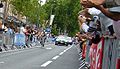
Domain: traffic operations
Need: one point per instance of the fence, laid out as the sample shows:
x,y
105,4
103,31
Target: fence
x,y
16,41
105,54
111,53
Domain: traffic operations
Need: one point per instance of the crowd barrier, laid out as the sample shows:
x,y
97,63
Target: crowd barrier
x,y
16,41
111,54
1,41
104,55
19,39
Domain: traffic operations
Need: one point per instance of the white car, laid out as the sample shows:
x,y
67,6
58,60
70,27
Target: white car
x,y
61,40
69,40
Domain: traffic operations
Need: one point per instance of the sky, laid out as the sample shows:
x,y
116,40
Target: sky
x,y
43,2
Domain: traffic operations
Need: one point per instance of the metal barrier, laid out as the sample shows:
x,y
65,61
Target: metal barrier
x,y
8,39
111,53
106,54
1,41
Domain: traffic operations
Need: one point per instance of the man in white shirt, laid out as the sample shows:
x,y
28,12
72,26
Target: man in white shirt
x,y
113,12
106,23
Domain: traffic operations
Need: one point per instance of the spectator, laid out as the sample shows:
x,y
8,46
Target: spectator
x,y
113,12
106,23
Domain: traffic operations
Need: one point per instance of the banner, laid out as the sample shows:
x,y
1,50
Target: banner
x,y
84,50
96,55
93,50
99,54
118,64
51,19
19,39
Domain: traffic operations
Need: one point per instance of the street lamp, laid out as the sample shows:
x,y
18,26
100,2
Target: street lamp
x,y
52,14
38,16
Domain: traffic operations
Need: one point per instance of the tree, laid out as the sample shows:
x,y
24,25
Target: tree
x,y
65,14
31,9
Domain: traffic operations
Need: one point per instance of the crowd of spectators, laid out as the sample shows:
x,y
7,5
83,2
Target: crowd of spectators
x,y
33,34
99,18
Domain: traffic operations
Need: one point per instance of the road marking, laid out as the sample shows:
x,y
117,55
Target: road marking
x,y
80,58
48,48
46,63
54,58
82,66
61,53
64,50
2,62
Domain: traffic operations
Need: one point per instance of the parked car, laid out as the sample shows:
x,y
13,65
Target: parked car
x,y
69,40
61,40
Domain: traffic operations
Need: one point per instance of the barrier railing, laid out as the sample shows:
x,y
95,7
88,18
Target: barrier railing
x,y
111,53
16,41
1,41
105,54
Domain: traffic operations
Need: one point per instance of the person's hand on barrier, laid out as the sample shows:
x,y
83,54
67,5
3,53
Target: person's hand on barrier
x,y
87,3
91,3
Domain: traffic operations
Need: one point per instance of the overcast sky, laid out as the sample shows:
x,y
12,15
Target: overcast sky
x,y
43,1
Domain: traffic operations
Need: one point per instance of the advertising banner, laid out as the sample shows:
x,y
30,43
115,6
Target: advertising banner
x,y
96,55
51,19
99,54
84,50
19,39
93,50
118,64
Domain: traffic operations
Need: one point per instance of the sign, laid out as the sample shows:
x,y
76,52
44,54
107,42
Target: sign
x,y
93,50
19,39
51,19
84,50
96,55
118,64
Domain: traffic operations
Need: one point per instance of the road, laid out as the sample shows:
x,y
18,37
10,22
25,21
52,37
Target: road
x,y
50,57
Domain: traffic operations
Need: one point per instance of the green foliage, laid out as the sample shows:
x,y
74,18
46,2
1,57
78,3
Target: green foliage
x,y
65,12
29,8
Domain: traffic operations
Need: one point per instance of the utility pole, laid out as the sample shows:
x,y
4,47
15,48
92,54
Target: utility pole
x,y
5,10
38,15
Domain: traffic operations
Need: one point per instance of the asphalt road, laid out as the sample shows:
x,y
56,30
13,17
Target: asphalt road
x,y
50,57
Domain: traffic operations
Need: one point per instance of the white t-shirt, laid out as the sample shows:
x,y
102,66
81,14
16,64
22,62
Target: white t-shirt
x,y
22,30
103,19
85,27
94,11
116,26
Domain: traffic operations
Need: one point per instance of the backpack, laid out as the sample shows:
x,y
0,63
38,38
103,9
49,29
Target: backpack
x,y
111,3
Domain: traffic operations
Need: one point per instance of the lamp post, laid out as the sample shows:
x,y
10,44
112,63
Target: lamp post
x,y
38,16
51,14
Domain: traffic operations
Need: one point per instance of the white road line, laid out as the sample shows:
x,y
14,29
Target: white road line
x,y
82,66
48,48
64,50
54,58
2,62
61,53
46,63
80,58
